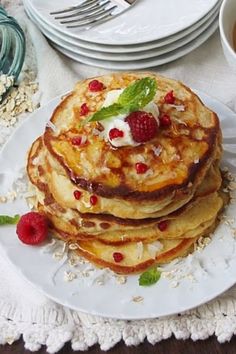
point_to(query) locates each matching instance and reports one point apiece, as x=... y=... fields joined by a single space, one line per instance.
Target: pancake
x=189 y=146
x=137 y=256
x=62 y=190
x=186 y=222
x=202 y=214
x=134 y=261
x=92 y=192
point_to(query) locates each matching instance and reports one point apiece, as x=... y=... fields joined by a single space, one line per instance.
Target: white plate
x=146 y=21
x=218 y=260
x=146 y=54
x=60 y=34
x=144 y=63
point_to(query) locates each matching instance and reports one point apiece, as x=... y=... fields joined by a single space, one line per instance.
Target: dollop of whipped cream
x=118 y=122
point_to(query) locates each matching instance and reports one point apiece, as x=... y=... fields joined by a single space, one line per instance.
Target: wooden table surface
x=169 y=346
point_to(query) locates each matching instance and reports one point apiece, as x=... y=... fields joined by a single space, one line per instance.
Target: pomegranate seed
x=76 y=140
x=93 y=199
x=118 y=257
x=84 y=110
x=141 y=167
x=115 y=133
x=169 y=97
x=79 y=140
x=162 y=226
x=165 y=120
x=96 y=86
x=77 y=194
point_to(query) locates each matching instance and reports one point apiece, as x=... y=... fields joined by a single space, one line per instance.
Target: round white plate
x=144 y=63
x=147 y=20
x=146 y=54
x=213 y=269
x=60 y=34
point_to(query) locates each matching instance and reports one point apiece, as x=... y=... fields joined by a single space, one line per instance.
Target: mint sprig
x=138 y=94
x=9 y=220
x=134 y=97
x=150 y=277
x=108 y=112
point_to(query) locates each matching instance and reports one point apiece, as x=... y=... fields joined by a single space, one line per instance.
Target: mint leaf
x=138 y=94
x=5 y=219
x=108 y=112
x=150 y=277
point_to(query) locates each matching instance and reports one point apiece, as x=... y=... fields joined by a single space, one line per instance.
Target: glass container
x=12 y=45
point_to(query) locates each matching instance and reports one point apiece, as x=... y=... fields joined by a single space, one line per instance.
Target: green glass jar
x=12 y=45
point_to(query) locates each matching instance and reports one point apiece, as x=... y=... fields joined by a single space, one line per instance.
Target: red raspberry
x=115 y=133
x=77 y=194
x=143 y=126
x=32 y=228
x=84 y=110
x=141 y=167
x=118 y=257
x=96 y=86
x=169 y=97
x=93 y=199
x=165 y=120
x=162 y=226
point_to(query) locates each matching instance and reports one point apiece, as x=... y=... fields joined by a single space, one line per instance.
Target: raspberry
x=143 y=126
x=141 y=167
x=96 y=86
x=162 y=226
x=77 y=194
x=115 y=133
x=84 y=110
x=118 y=257
x=93 y=199
x=169 y=97
x=165 y=120
x=32 y=228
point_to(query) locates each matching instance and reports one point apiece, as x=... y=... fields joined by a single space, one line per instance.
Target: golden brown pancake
x=62 y=189
x=189 y=146
x=186 y=222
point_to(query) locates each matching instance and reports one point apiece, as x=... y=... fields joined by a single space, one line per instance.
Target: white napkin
x=23 y=310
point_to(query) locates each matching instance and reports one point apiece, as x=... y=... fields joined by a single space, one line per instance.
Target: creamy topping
x=112 y=97
x=118 y=122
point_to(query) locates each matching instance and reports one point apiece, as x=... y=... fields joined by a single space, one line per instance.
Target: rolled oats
x=121 y=279
x=69 y=276
x=5 y=83
x=137 y=299
x=19 y=99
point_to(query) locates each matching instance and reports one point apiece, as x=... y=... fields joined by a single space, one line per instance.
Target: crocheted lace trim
x=53 y=328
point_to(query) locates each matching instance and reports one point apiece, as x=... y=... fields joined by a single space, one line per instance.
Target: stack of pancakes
x=147 y=218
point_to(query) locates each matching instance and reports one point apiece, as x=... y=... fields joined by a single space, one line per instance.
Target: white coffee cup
x=227 y=23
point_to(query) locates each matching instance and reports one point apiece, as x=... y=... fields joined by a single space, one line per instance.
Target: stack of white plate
x=151 y=33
